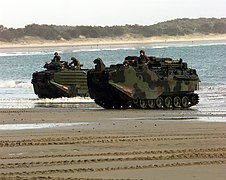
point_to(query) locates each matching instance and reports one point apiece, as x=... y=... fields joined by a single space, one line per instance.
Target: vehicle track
x=94 y=153
x=95 y=140
x=196 y=156
x=77 y=170
x=138 y=158
x=122 y=153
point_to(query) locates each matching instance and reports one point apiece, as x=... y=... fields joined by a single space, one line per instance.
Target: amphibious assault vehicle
x=60 y=80
x=159 y=83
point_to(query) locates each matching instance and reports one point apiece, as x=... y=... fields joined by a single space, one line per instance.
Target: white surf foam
x=104 y=49
x=159 y=47
x=24 y=53
x=15 y=84
x=38 y=125
x=55 y=100
x=66 y=100
x=76 y=102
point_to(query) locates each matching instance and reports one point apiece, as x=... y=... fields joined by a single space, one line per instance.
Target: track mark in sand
x=100 y=140
x=18 y=111
x=98 y=160
x=59 y=178
x=45 y=167
x=221 y=149
x=176 y=164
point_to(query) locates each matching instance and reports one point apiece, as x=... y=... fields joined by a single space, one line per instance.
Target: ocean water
x=17 y=66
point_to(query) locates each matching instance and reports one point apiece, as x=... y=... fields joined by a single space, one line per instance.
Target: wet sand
x=113 y=144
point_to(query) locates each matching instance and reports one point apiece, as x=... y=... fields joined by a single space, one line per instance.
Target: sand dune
x=124 y=40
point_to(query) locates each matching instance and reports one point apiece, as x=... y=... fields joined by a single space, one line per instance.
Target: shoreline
x=56 y=115
x=116 y=42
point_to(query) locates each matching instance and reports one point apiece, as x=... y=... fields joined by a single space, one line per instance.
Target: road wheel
x=159 y=102
x=151 y=103
x=176 y=101
x=143 y=103
x=168 y=102
x=185 y=102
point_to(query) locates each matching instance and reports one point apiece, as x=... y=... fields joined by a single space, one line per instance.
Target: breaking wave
x=104 y=49
x=159 y=47
x=15 y=84
x=39 y=53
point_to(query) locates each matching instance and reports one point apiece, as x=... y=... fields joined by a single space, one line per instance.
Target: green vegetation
x=175 y=27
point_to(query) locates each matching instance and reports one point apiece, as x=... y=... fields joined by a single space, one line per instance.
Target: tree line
x=175 y=27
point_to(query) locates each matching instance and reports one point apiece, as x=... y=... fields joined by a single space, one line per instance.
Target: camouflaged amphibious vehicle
x=159 y=83
x=60 y=80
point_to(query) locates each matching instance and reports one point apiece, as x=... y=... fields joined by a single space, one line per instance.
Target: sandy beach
x=112 y=144
x=128 y=40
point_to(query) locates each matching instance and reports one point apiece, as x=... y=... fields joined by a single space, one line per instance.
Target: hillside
x=177 y=27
